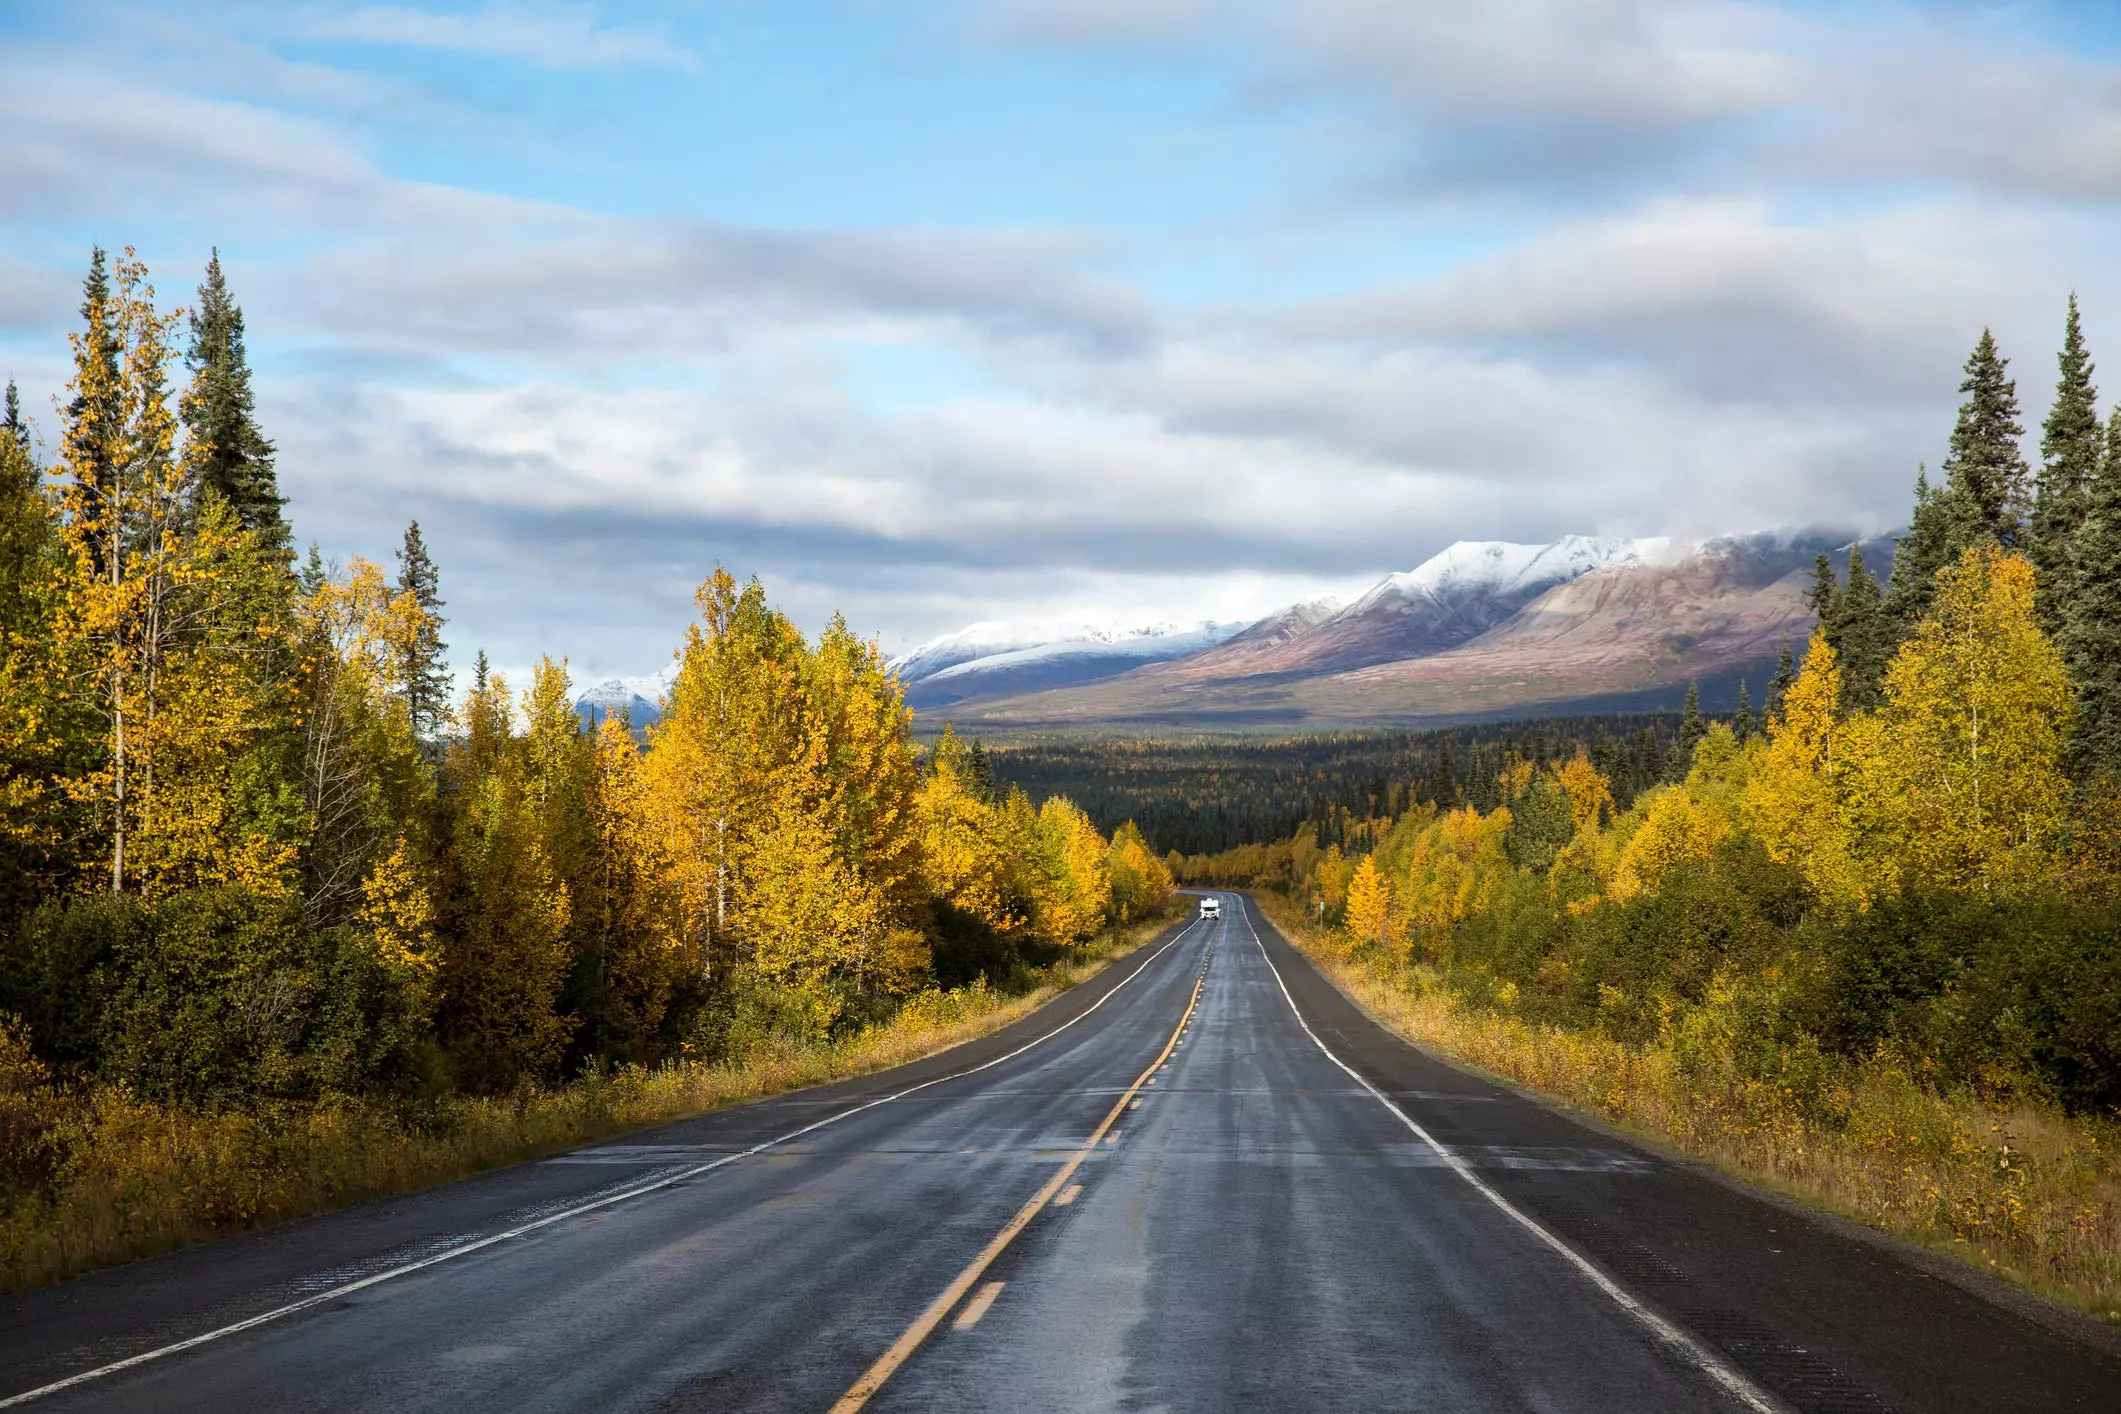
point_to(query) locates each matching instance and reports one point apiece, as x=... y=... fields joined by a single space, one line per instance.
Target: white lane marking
x=476 y=1244
x=977 y=1306
x=1672 y=1337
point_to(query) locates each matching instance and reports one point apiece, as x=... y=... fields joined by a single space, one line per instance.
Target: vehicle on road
x=1211 y=908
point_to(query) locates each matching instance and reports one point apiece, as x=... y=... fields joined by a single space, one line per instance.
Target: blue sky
x=1096 y=309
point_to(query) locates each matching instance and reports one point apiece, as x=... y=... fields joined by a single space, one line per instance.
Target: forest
x=1868 y=945
x=265 y=879
x=1214 y=793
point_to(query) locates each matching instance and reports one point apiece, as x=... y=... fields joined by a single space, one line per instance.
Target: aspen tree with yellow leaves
x=1964 y=767
x=123 y=523
x=1369 y=902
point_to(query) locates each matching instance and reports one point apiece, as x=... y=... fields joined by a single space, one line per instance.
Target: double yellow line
x=909 y=1340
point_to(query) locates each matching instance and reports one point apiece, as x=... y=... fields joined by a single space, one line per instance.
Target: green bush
x=214 y=997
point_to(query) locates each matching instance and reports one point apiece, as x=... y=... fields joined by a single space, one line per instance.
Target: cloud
x=1725 y=300
x=1586 y=98
x=580 y=287
x=549 y=36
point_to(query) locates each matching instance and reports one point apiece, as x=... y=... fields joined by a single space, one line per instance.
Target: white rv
x=1211 y=908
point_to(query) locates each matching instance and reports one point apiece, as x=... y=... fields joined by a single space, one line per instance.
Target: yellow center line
x=923 y=1325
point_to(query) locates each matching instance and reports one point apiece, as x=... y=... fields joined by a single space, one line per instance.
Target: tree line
x=1202 y=795
x=254 y=849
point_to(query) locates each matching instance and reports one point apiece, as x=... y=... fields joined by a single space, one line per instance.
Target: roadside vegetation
x=1869 y=953
x=283 y=923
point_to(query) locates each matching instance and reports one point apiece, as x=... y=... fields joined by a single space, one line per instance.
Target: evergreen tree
x=2091 y=632
x=2071 y=441
x=1821 y=595
x=424 y=672
x=1743 y=725
x=1691 y=730
x=980 y=767
x=1863 y=636
x=1916 y=559
x=11 y=424
x=1985 y=473
x=1778 y=688
x=96 y=413
x=229 y=455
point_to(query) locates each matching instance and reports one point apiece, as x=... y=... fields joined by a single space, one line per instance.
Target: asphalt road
x=1202 y=1181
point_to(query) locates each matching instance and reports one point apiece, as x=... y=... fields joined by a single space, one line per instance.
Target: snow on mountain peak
x=1154 y=643
x=1503 y=567
x=992 y=638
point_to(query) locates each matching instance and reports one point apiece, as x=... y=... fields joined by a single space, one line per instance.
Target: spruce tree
x=980 y=767
x=2091 y=632
x=1821 y=595
x=426 y=674
x=1985 y=473
x=1742 y=725
x=96 y=418
x=1863 y=637
x=229 y=454
x=1921 y=553
x=1779 y=685
x=1692 y=728
x=11 y=424
x=2071 y=441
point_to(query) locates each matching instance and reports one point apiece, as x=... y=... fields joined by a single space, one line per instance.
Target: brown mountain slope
x=1615 y=637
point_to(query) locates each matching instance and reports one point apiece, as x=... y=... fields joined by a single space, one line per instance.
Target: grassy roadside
x=139 y=1179
x=2028 y=1193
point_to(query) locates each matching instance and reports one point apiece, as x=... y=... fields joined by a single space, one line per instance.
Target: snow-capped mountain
x=1448 y=599
x=985 y=639
x=641 y=698
x=1489 y=570
x=1083 y=654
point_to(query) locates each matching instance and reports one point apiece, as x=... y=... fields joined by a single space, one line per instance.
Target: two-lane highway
x=1203 y=1181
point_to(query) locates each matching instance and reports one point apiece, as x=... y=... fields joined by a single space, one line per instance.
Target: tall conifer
x=96 y=413
x=2071 y=441
x=1742 y=725
x=1985 y=472
x=1821 y=595
x=2091 y=631
x=1691 y=730
x=1863 y=637
x=1778 y=686
x=1921 y=553
x=425 y=673
x=229 y=454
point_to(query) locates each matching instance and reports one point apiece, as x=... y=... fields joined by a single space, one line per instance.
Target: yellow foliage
x=1675 y=827
x=1793 y=799
x=1452 y=871
x=1369 y=902
x=398 y=911
x=1079 y=884
x=1964 y=767
x=1139 y=879
x=1590 y=793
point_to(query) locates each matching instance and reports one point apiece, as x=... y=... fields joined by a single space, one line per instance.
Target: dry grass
x=2025 y=1191
x=139 y=1179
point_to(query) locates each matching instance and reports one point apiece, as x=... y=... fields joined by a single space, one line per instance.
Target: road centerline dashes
x=910 y=1339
